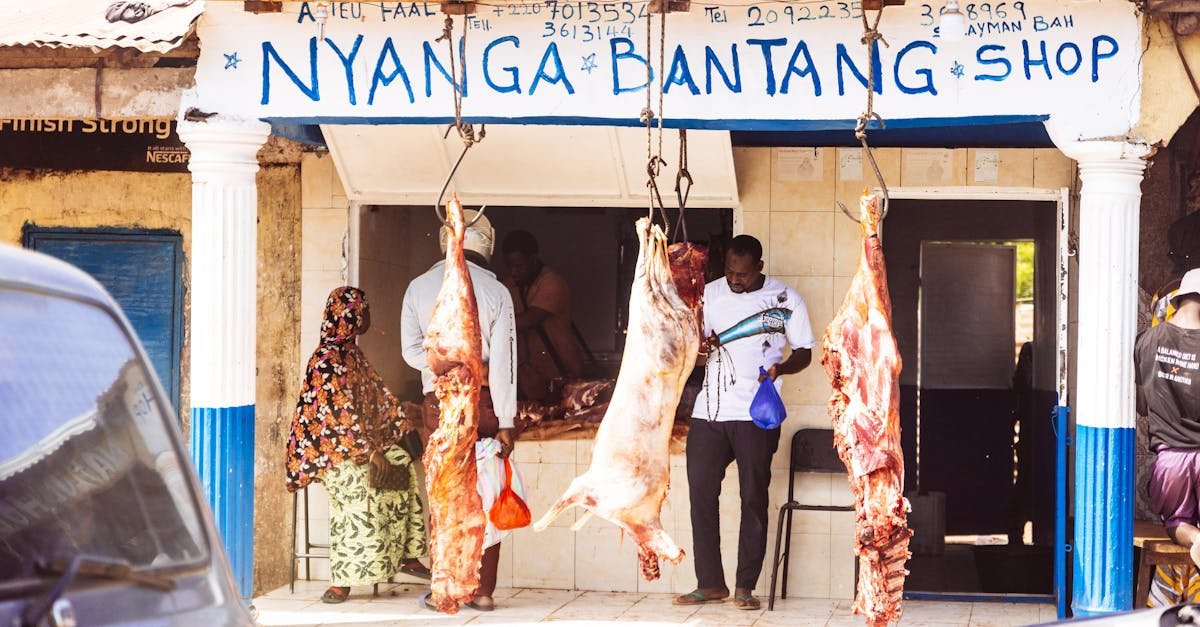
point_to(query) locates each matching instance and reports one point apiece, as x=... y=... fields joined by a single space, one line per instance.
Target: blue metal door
x=143 y=270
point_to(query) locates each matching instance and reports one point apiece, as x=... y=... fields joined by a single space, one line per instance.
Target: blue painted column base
x=1104 y=469
x=222 y=446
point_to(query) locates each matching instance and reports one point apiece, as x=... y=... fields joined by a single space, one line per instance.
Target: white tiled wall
x=323 y=268
x=811 y=246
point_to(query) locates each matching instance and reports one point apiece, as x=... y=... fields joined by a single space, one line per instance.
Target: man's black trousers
x=711 y=446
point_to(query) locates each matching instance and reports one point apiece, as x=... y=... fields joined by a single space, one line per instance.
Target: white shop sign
x=753 y=66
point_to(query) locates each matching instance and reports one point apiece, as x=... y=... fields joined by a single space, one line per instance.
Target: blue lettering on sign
x=1058 y=58
x=378 y=77
x=680 y=74
x=711 y=61
x=766 y=45
x=926 y=72
x=627 y=53
x=431 y=60
x=1040 y=24
x=560 y=75
x=808 y=69
x=1097 y=55
x=912 y=74
x=511 y=69
x=305 y=12
x=1044 y=61
x=347 y=63
x=312 y=90
x=843 y=59
x=992 y=61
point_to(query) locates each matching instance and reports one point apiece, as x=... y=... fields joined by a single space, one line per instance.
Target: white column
x=1109 y=207
x=222 y=340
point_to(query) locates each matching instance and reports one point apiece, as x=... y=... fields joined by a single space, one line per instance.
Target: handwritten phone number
x=596 y=12
x=985 y=11
x=758 y=16
x=585 y=32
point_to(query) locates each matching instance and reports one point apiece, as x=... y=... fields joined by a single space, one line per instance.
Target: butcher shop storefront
x=999 y=135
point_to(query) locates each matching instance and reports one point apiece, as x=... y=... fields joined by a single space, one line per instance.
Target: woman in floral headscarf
x=346 y=422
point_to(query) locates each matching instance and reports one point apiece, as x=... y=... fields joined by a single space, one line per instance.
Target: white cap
x=1188 y=285
x=480 y=237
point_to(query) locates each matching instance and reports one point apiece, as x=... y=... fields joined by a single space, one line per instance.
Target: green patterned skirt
x=372 y=533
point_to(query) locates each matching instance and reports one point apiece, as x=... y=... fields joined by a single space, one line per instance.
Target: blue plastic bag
x=767 y=408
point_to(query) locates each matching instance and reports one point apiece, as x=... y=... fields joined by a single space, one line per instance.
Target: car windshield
x=87 y=464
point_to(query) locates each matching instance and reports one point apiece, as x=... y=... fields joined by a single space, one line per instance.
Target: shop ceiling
x=532 y=166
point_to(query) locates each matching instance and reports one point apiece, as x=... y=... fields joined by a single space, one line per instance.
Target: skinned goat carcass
x=863 y=362
x=628 y=478
x=454 y=348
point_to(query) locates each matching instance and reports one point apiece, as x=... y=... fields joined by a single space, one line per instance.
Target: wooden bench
x=1157 y=550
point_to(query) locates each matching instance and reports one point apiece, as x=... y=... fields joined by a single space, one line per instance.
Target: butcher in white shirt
x=498 y=398
x=749 y=320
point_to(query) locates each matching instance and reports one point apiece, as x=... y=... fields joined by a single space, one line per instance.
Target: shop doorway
x=975 y=312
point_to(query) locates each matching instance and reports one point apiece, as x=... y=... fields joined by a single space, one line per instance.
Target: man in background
x=1167 y=374
x=1183 y=237
x=547 y=347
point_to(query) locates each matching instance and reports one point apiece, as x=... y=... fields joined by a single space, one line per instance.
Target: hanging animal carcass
x=630 y=470
x=863 y=362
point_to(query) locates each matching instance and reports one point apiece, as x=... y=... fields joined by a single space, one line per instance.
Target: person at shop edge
x=721 y=429
x=547 y=348
x=497 y=399
x=1168 y=392
x=347 y=424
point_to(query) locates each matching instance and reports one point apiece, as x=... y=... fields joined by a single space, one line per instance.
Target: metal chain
x=654 y=162
x=465 y=131
x=681 y=175
x=870 y=38
x=722 y=385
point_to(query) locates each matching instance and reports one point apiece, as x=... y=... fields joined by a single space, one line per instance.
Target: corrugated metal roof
x=150 y=26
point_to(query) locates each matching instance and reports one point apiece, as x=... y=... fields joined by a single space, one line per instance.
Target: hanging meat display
x=863 y=362
x=454 y=348
x=630 y=472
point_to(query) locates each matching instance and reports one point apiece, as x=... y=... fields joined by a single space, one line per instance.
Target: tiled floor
x=397 y=605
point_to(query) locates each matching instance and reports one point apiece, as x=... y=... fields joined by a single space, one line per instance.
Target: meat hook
x=437 y=207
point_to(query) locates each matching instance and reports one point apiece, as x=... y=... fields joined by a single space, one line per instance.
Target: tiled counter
x=598 y=558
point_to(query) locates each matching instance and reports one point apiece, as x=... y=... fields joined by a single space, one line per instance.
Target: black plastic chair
x=812 y=451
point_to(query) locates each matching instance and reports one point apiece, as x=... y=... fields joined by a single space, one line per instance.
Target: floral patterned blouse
x=345 y=410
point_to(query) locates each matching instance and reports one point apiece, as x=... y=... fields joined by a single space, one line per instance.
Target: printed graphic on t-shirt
x=773 y=320
x=1177 y=366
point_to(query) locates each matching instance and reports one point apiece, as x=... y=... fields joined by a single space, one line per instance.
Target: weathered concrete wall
x=103 y=199
x=278 y=368
x=1167 y=97
x=163 y=201
x=93 y=93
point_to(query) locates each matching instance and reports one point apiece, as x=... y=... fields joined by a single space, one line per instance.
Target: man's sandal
x=746 y=602
x=335 y=595
x=481 y=604
x=696 y=597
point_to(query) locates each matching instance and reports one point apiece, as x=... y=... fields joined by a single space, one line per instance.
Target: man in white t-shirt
x=749 y=318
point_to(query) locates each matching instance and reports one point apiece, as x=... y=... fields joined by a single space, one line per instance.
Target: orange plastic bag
x=509 y=511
